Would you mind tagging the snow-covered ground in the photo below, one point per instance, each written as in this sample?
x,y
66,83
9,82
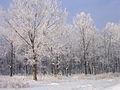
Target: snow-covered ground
x,y
76,82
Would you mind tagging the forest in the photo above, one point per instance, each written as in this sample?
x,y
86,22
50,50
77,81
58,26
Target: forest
x,y
36,38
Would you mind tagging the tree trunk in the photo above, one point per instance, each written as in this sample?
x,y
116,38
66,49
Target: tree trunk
x,y
85,67
89,68
11,71
11,60
34,68
94,68
26,69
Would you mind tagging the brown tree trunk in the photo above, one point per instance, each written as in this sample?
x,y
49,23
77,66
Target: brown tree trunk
x,y
34,68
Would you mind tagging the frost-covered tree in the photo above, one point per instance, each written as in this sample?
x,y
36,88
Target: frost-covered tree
x,y
111,46
10,41
33,32
35,23
84,24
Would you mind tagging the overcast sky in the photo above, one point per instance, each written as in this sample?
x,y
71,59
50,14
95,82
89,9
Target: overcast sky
x,y
102,11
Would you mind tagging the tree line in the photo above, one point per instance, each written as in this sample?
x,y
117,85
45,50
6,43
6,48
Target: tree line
x,y
36,38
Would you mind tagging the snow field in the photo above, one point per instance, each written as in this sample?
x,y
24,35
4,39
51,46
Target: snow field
x,y
75,82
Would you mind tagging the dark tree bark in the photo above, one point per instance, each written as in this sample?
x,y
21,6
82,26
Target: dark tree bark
x,y
11,59
34,66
